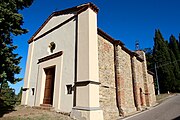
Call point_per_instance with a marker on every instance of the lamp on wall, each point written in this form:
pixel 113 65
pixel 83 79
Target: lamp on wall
pixel 24 89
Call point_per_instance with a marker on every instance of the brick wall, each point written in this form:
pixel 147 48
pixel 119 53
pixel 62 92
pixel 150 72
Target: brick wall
pixel 152 97
pixel 149 92
pixel 140 84
pixel 107 79
pixel 135 88
pixel 145 77
pixel 124 76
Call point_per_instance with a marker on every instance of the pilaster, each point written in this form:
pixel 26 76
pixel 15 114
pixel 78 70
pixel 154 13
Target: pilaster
pixel 119 81
pixel 145 77
pixel 26 89
pixel 135 84
pixel 87 84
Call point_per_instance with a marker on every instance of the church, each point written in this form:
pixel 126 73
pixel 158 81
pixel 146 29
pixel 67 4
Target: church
pixel 75 67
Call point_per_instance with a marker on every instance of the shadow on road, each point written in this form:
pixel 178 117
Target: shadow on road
pixel 177 118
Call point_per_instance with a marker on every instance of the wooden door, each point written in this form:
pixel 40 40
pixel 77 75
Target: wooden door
pixel 49 85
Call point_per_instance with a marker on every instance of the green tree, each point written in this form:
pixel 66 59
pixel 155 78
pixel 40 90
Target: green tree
pixel 18 97
pixel 11 22
pixel 175 69
pixel 7 97
pixel 179 42
pixel 149 59
pixel 162 57
pixel 151 65
pixel 173 45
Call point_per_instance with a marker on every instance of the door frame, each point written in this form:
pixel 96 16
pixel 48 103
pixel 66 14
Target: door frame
pixel 52 84
pixel 40 85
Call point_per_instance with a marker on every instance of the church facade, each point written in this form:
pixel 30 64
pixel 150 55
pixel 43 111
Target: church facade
pixel 75 67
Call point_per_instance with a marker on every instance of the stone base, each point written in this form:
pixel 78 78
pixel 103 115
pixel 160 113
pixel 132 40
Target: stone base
pixel 110 112
pixel 127 111
pixel 82 114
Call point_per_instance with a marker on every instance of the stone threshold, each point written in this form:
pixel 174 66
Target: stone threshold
pixel 44 107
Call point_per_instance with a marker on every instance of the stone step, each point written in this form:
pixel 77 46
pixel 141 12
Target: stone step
pixel 44 107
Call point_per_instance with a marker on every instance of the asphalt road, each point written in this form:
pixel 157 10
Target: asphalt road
pixel 167 110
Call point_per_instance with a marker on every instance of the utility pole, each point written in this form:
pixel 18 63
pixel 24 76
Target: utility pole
pixel 157 79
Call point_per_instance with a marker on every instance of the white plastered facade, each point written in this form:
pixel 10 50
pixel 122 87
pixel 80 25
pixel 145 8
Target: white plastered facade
pixel 64 38
pixel 77 40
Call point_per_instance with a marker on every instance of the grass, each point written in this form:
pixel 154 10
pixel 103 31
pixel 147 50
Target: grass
pixel 161 97
pixel 28 113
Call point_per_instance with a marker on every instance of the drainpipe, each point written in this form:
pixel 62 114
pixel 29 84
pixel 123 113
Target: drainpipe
pixel 75 67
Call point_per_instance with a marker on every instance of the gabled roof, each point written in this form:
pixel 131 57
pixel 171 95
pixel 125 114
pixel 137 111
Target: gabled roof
pixel 77 10
pixel 107 37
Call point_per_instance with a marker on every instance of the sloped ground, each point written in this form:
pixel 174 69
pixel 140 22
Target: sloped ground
pixel 162 97
pixel 27 113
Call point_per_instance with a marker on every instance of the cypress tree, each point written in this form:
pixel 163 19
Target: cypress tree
pixel 175 69
pixel 173 45
pixel 162 58
pixel 149 58
pixel 179 42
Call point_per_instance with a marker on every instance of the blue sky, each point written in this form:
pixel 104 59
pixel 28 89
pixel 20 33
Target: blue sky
pixel 125 20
